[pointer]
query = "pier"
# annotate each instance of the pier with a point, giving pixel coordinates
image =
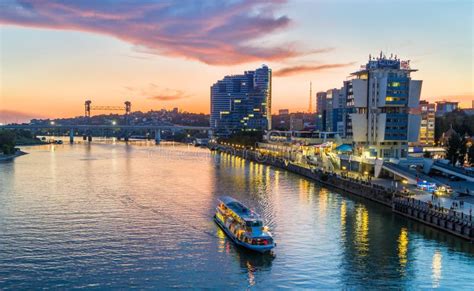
(451, 221)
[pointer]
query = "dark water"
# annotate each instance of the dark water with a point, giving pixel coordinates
(116, 215)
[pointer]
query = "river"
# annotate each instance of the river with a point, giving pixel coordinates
(110, 215)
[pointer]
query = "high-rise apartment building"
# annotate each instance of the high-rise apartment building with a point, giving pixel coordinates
(242, 102)
(427, 127)
(320, 111)
(332, 97)
(383, 97)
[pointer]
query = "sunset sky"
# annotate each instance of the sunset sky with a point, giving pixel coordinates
(165, 54)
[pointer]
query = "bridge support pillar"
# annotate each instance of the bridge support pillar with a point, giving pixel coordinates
(157, 136)
(71, 135)
(89, 138)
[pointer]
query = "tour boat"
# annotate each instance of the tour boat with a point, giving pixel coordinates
(243, 226)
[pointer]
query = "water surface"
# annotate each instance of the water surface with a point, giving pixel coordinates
(115, 215)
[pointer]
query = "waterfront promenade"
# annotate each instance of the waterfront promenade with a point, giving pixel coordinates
(436, 215)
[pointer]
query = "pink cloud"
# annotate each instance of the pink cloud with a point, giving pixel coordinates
(213, 32)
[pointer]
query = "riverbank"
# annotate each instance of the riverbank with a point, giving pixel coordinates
(31, 142)
(18, 153)
(440, 218)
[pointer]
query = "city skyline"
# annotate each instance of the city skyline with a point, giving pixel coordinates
(155, 54)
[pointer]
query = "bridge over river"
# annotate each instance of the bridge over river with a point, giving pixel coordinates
(88, 130)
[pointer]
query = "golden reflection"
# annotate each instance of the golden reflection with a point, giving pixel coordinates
(403, 248)
(221, 240)
(277, 182)
(343, 215)
(436, 268)
(362, 231)
(304, 187)
(343, 221)
(267, 176)
(251, 274)
(323, 202)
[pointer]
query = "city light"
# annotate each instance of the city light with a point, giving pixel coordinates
(52, 122)
(114, 122)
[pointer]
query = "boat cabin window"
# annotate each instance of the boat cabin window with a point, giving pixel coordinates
(253, 223)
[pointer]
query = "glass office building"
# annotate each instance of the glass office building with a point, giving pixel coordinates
(242, 102)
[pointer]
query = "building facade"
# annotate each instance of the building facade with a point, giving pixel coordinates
(331, 99)
(283, 112)
(443, 107)
(320, 111)
(383, 99)
(427, 127)
(242, 102)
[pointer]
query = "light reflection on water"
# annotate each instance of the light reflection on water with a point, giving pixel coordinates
(138, 215)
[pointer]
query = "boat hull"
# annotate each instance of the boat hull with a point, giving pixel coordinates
(256, 248)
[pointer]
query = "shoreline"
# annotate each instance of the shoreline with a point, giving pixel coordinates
(6, 158)
(446, 220)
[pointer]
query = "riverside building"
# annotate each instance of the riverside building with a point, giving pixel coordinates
(383, 98)
(427, 127)
(242, 102)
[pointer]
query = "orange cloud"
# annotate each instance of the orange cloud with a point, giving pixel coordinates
(289, 71)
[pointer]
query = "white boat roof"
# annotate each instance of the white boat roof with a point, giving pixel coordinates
(240, 209)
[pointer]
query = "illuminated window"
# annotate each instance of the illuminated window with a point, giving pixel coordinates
(237, 101)
(395, 84)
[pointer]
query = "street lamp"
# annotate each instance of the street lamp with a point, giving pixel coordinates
(52, 123)
(114, 122)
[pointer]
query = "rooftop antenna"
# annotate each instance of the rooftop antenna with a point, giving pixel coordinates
(310, 107)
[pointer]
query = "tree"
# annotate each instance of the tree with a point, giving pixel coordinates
(470, 155)
(427, 154)
(7, 142)
(463, 150)
(244, 138)
(453, 148)
(459, 120)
